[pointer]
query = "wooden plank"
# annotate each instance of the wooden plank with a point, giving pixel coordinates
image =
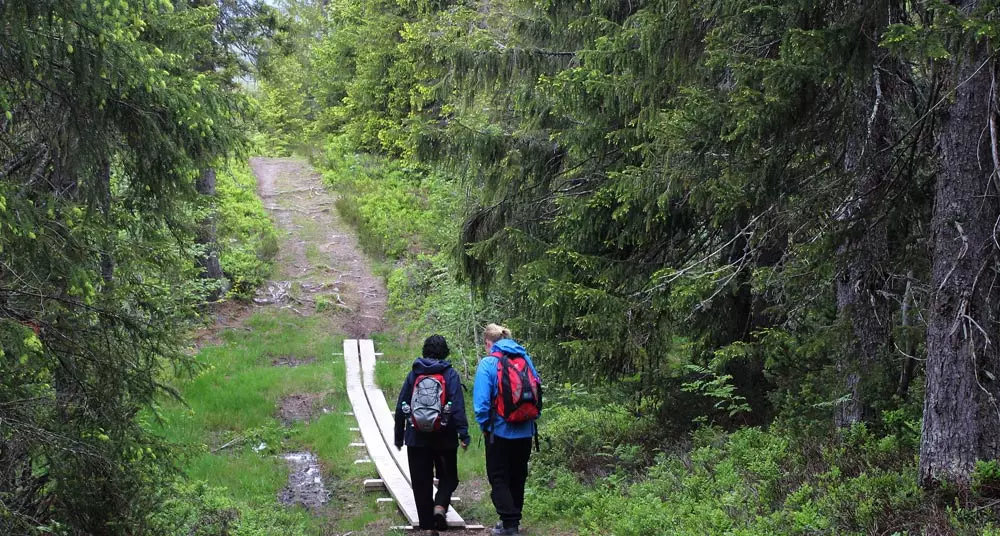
(387, 425)
(407, 528)
(366, 347)
(380, 407)
(387, 420)
(394, 480)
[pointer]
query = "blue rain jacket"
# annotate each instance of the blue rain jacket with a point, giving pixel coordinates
(484, 392)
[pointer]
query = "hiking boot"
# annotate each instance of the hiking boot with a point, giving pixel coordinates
(500, 530)
(440, 517)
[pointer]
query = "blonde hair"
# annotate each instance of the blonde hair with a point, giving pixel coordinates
(495, 332)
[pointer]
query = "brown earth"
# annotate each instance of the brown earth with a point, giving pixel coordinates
(320, 266)
(301, 407)
(320, 270)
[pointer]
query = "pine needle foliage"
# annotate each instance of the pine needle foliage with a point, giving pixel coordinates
(107, 116)
(747, 187)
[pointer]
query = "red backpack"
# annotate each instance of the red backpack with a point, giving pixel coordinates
(519, 393)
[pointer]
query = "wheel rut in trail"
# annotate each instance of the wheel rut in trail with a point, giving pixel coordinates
(320, 270)
(320, 265)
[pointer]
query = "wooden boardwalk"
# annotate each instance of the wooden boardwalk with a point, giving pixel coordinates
(376, 423)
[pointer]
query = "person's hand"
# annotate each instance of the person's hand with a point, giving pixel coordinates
(465, 444)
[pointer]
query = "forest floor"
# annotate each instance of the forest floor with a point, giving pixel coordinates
(323, 289)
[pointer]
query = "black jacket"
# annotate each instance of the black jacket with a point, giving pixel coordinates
(458, 425)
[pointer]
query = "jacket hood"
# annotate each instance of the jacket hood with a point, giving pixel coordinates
(508, 346)
(424, 365)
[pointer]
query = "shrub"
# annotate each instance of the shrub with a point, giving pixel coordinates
(247, 240)
(752, 482)
(196, 509)
(594, 442)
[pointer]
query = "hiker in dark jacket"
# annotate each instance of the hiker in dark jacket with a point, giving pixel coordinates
(432, 452)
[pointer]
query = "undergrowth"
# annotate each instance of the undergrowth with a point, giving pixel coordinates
(410, 217)
(611, 465)
(597, 475)
(246, 236)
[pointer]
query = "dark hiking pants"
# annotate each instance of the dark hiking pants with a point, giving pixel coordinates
(507, 470)
(424, 463)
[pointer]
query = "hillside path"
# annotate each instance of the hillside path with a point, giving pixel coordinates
(320, 266)
(320, 269)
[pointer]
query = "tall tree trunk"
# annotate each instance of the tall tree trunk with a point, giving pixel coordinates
(863, 253)
(910, 362)
(104, 200)
(961, 408)
(209, 260)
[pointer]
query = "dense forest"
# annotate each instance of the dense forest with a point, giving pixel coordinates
(116, 118)
(711, 215)
(754, 247)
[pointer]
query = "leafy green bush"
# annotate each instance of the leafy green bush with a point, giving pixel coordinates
(197, 509)
(593, 442)
(751, 482)
(246, 236)
(397, 208)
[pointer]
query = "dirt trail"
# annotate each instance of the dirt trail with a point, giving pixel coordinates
(321, 267)
(321, 270)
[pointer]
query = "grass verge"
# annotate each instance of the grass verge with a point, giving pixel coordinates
(231, 431)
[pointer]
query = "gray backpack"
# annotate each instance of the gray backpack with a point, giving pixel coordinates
(427, 405)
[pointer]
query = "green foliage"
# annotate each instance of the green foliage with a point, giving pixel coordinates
(108, 115)
(719, 388)
(753, 482)
(423, 293)
(396, 208)
(986, 478)
(596, 441)
(246, 236)
(197, 509)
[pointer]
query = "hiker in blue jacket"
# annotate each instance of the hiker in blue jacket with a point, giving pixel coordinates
(508, 445)
(434, 451)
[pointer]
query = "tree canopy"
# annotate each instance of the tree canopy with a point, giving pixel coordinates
(108, 114)
(663, 190)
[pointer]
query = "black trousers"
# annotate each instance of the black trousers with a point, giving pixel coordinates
(507, 470)
(424, 463)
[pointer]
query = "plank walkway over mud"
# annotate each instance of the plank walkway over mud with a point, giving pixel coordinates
(376, 422)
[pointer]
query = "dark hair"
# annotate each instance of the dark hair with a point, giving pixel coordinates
(435, 347)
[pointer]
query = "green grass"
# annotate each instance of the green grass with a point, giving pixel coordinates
(234, 399)
(315, 257)
(309, 230)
